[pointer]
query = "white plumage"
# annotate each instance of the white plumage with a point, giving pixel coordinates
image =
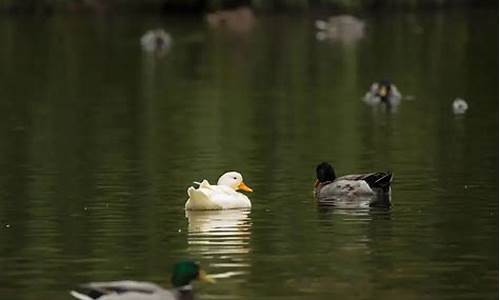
(459, 106)
(224, 195)
(156, 40)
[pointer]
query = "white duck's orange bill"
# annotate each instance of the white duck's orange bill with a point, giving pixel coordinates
(242, 186)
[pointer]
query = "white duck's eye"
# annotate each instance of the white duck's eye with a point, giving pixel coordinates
(235, 178)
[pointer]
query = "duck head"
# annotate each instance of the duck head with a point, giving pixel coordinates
(186, 271)
(324, 173)
(234, 180)
(384, 90)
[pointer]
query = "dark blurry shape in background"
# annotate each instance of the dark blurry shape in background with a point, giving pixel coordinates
(200, 6)
(240, 19)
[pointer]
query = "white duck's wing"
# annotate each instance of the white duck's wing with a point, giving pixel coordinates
(227, 198)
(122, 290)
(200, 198)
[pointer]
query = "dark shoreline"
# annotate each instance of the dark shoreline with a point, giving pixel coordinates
(201, 7)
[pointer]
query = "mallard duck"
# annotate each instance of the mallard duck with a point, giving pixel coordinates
(459, 106)
(184, 272)
(327, 185)
(224, 195)
(383, 92)
(345, 28)
(156, 40)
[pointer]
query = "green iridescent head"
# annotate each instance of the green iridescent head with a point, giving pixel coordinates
(186, 271)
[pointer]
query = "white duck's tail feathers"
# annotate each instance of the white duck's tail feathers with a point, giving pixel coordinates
(190, 190)
(80, 296)
(203, 184)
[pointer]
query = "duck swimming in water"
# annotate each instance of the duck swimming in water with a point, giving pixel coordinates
(156, 40)
(224, 195)
(383, 91)
(343, 28)
(459, 106)
(184, 273)
(328, 185)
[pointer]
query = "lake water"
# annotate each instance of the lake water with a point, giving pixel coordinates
(99, 142)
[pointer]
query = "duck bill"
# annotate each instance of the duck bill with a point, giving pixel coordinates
(242, 186)
(204, 277)
(316, 183)
(382, 91)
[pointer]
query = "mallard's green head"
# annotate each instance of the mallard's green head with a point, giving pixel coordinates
(324, 173)
(186, 271)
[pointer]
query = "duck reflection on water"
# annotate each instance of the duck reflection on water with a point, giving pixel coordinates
(223, 237)
(379, 200)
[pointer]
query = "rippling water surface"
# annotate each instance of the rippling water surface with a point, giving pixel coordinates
(99, 142)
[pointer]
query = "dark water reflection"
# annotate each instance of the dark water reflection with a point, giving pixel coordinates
(99, 142)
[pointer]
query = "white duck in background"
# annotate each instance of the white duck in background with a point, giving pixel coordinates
(156, 40)
(224, 195)
(459, 106)
(345, 28)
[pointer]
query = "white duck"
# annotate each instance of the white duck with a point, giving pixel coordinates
(224, 195)
(459, 106)
(156, 40)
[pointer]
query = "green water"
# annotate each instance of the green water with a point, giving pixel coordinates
(99, 142)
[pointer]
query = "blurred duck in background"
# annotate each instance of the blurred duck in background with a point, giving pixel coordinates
(459, 106)
(344, 28)
(184, 273)
(156, 41)
(239, 20)
(383, 92)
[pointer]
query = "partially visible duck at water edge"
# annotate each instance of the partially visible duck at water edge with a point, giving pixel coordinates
(183, 274)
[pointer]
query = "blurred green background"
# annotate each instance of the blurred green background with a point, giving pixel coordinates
(99, 141)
